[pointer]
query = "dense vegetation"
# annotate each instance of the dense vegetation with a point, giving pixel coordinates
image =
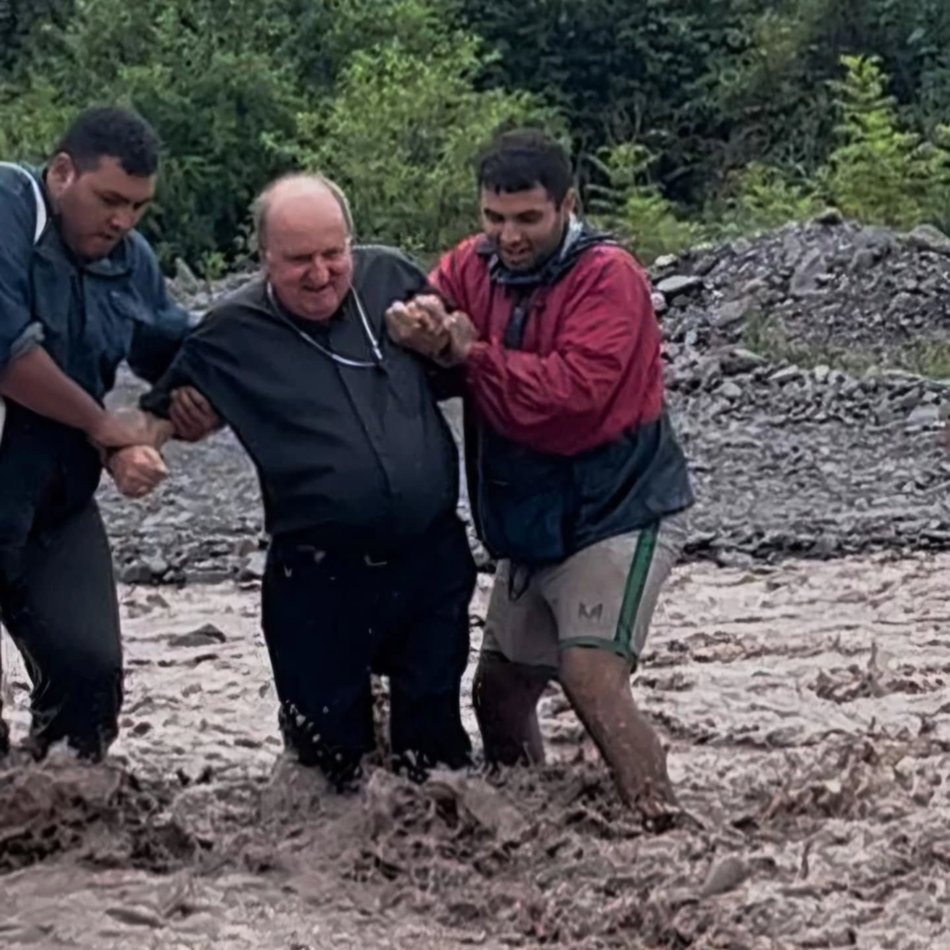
(689, 119)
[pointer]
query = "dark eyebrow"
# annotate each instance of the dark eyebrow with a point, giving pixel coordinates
(115, 196)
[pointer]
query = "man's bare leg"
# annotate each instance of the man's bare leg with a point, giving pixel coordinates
(597, 683)
(505, 696)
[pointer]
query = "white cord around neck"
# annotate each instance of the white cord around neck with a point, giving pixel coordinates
(377, 360)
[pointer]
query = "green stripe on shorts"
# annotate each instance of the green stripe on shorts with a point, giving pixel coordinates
(635, 586)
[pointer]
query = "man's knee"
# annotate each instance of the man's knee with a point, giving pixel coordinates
(498, 678)
(587, 672)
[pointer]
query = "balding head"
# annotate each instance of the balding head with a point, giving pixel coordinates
(320, 195)
(303, 231)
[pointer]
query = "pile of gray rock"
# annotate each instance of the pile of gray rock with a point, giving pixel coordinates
(784, 356)
(854, 294)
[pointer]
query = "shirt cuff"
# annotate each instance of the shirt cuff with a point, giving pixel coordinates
(157, 402)
(478, 356)
(28, 340)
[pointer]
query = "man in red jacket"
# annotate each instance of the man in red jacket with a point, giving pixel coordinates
(576, 479)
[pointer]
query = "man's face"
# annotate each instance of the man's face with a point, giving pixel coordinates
(309, 261)
(526, 226)
(97, 207)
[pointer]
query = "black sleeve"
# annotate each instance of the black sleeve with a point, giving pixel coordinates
(157, 400)
(203, 349)
(445, 383)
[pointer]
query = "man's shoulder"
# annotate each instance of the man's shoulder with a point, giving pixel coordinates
(142, 256)
(17, 206)
(15, 182)
(238, 306)
(607, 261)
(463, 266)
(376, 256)
(473, 250)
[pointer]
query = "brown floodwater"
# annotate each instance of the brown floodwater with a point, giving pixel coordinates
(807, 712)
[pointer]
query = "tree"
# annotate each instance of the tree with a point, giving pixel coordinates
(880, 172)
(401, 135)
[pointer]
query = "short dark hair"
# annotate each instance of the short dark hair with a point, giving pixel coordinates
(522, 159)
(117, 133)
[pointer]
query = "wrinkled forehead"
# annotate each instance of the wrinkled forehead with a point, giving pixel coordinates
(312, 239)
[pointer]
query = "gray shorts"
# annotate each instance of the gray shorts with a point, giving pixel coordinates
(603, 596)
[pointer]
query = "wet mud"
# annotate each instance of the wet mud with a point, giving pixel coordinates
(805, 707)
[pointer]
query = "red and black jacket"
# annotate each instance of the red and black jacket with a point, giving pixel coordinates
(568, 441)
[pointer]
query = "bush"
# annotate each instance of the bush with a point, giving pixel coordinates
(879, 172)
(760, 197)
(633, 207)
(231, 89)
(401, 136)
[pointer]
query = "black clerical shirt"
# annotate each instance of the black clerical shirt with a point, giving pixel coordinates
(356, 455)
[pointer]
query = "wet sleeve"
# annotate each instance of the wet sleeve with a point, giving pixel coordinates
(196, 363)
(157, 400)
(544, 401)
(19, 332)
(446, 281)
(157, 341)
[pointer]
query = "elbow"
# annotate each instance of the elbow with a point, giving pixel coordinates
(30, 338)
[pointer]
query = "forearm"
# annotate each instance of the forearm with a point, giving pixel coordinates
(34, 381)
(155, 430)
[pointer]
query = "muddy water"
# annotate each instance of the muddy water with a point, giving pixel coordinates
(806, 709)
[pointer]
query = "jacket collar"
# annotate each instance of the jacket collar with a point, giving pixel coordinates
(578, 237)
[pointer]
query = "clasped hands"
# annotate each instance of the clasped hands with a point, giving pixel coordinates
(137, 467)
(424, 326)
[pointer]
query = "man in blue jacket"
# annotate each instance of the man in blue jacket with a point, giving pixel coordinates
(80, 291)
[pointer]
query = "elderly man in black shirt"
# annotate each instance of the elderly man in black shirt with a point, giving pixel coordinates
(369, 568)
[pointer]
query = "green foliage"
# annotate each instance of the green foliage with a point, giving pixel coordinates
(760, 197)
(710, 87)
(401, 136)
(633, 207)
(200, 72)
(880, 172)
(18, 19)
(231, 89)
(620, 70)
(687, 118)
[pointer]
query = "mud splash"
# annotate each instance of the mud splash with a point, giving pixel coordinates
(806, 712)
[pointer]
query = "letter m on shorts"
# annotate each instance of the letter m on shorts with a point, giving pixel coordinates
(590, 613)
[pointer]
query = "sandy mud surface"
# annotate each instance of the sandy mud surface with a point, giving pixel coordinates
(806, 710)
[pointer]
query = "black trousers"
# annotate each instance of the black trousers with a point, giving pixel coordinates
(58, 602)
(330, 619)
